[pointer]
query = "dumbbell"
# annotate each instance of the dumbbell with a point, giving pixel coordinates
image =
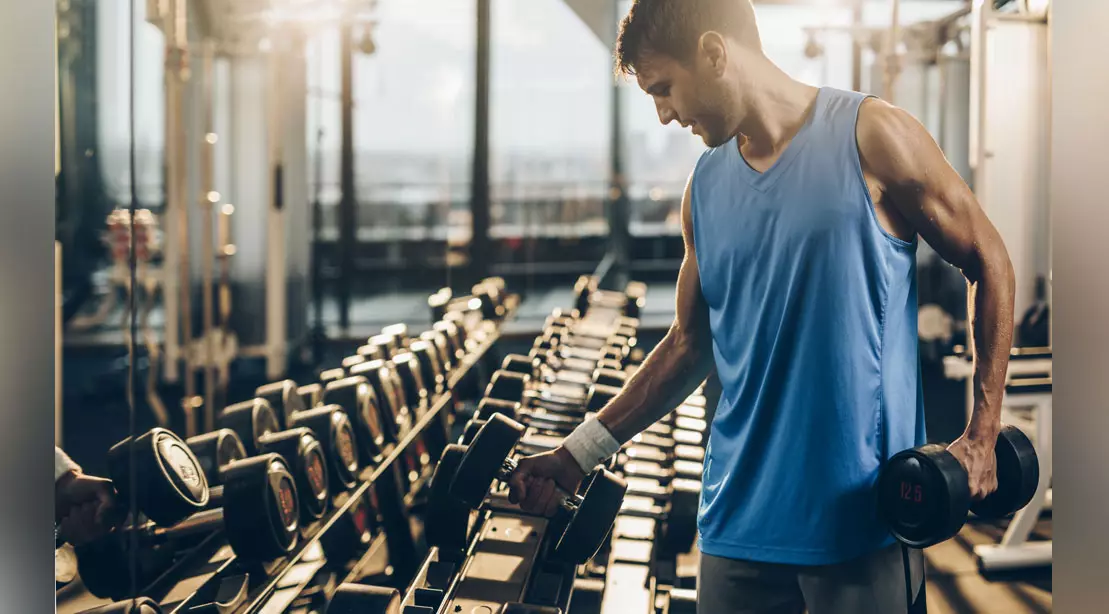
(298, 447)
(260, 512)
(432, 370)
(311, 395)
(250, 420)
(924, 492)
(411, 377)
(396, 419)
(441, 344)
(283, 398)
(588, 517)
(360, 402)
(332, 426)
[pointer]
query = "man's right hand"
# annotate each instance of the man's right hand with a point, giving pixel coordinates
(84, 507)
(532, 485)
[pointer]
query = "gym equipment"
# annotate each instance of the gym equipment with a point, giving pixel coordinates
(298, 447)
(311, 395)
(250, 420)
(447, 519)
(141, 605)
(590, 515)
(360, 402)
(353, 598)
(215, 450)
(395, 417)
(924, 496)
(260, 511)
(283, 398)
(332, 427)
(410, 374)
(431, 369)
(305, 458)
(439, 341)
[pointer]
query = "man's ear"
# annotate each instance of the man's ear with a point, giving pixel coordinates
(712, 50)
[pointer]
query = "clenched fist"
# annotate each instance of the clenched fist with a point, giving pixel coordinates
(533, 483)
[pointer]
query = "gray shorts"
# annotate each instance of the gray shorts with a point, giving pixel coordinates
(871, 583)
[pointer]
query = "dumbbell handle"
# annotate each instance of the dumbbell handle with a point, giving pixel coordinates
(568, 502)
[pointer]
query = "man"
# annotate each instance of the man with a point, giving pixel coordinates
(82, 503)
(799, 286)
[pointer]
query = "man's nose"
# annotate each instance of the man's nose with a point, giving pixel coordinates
(665, 114)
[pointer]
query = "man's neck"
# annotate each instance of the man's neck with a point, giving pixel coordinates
(778, 109)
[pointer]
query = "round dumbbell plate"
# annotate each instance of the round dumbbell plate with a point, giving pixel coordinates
(261, 509)
(1018, 475)
(484, 458)
(593, 518)
(170, 480)
(923, 495)
(216, 449)
(447, 520)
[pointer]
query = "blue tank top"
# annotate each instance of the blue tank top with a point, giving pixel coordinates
(813, 311)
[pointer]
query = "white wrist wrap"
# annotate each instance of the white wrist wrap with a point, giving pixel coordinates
(590, 443)
(62, 463)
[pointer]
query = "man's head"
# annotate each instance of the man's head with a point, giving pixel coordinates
(695, 58)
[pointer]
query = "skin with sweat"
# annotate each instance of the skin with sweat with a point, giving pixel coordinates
(731, 90)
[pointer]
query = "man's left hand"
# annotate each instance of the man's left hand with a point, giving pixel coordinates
(976, 454)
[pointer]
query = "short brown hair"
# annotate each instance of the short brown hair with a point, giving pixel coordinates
(673, 27)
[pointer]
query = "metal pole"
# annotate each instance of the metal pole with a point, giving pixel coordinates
(346, 178)
(180, 198)
(619, 211)
(479, 182)
(856, 48)
(208, 198)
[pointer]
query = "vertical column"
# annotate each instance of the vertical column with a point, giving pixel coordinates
(479, 181)
(347, 217)
(619, 203)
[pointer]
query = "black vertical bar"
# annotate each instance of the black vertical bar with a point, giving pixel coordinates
(479, 182)
(346, 178)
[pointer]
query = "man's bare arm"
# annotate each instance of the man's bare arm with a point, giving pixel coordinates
(920, 185)
(678, 364)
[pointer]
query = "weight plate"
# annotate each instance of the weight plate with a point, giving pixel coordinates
(591, 522)
(923, 495)
(507, 385)
(489, 406)
(261, 510)
(214, 450)
(359, 400)
(333, 429)
(305, 459)
(170, 480)
(283, 398)
(1018, 475)
(447, 519)
(484, 458)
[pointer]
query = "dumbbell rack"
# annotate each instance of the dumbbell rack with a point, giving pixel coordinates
(210, 574)
(503, 561)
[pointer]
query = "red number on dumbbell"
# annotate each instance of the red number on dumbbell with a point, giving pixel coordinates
(911, 492)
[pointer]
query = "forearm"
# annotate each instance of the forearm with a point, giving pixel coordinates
(63, 464)
(668, 375)
(992, 298)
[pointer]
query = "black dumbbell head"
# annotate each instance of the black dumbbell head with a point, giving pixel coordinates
(250, 420)
(399, 334)
(332, 427)
(439, 341)
(260, 507)
(283, 398)
(305, 459)
(216, 449)
(311, 395)
(507, 386)
(593, 518)
(1018, 475)
(359, 400)
(447, 519)
(518, 363)
(679, 531)
(470, 430)
(411, 380)
(484, 458)
(170, 483)
(488, 406)
(430, 367)
(923, 495)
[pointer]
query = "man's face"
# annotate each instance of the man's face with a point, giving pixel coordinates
(689, 95)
